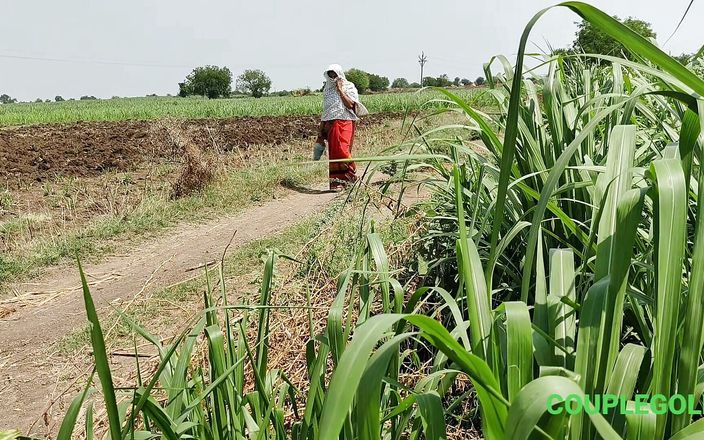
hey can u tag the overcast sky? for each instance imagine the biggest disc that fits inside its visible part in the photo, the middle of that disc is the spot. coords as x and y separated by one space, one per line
136 47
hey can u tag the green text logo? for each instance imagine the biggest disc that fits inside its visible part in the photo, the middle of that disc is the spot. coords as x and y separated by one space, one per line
608 403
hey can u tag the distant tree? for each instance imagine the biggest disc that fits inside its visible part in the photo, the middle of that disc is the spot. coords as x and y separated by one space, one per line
684 58
562 51
479 81
465 82
591 39
359 78
399 83
59 98
441 81
254 82
378 83
211 81
302 92
429 81
87 98
47 100
456 81
414 85
7 99
39 100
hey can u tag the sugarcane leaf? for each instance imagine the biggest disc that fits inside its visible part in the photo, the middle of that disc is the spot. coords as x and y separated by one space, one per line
670 233
102 364
519 347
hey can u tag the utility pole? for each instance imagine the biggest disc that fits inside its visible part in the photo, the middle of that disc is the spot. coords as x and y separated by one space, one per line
422 59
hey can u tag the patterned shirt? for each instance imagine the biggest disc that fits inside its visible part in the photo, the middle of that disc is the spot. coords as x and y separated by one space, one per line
333 106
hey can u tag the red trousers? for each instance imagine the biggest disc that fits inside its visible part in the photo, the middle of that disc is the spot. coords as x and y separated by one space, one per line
340 139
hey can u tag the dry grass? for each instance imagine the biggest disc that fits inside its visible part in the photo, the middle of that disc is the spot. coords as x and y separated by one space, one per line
198 171
302 295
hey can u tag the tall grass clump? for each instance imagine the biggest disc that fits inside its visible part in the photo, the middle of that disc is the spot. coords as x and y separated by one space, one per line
572 234
565 254
234 394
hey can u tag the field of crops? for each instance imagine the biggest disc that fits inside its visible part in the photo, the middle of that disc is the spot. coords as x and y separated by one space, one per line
120 109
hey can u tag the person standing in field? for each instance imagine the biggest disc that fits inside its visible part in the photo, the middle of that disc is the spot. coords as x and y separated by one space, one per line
341 111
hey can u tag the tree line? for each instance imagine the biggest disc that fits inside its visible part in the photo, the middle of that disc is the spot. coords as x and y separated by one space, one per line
365 81
216 82
7 99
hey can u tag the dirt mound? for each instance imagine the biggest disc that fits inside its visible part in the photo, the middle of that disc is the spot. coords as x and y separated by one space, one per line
39 152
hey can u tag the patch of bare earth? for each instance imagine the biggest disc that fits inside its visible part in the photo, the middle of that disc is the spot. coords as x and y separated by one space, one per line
84 149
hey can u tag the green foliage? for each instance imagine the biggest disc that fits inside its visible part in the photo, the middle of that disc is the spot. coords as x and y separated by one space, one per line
465 82
588 263
254 82
359 78
7 201
9 435
400 83
589 210
6 99
378 83
441 81
684 58
210 81
591 39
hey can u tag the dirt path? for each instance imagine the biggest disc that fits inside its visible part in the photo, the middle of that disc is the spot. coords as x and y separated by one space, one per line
27 335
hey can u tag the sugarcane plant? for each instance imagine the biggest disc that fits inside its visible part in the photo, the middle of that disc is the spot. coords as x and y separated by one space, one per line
606 296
